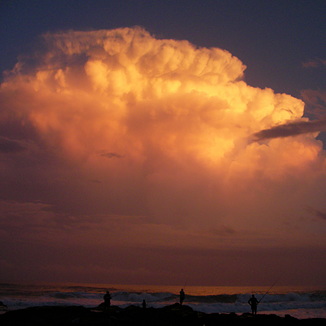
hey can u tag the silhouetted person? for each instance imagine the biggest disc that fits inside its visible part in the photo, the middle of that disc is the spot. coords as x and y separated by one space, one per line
107 300
144 304
182 296
253 303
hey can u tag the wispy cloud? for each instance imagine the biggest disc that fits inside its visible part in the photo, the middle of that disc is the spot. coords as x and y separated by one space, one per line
314 63
315 102
318 213
111 155
10 145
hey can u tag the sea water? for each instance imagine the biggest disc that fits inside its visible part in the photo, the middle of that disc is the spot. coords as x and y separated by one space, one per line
299 302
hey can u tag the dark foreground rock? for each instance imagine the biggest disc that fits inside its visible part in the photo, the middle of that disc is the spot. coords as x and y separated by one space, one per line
173 315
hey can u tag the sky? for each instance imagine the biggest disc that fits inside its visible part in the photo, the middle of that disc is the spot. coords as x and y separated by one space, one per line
163 142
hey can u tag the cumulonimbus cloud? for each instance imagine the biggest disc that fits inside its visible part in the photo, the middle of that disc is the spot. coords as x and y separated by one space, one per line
123 91
162 126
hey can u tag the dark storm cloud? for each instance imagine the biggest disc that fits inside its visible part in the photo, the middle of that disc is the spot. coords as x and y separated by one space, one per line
291 129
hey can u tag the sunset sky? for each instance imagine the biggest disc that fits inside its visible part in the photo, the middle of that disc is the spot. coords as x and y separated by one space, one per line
163 142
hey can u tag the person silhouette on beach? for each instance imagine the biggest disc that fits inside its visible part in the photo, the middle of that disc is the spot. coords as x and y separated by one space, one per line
107 300
253 303
182 296
144 304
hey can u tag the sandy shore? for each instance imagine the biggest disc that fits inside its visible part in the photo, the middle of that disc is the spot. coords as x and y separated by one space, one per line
173 315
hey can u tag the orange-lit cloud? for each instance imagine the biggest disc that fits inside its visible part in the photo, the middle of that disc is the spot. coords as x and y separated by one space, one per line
117 138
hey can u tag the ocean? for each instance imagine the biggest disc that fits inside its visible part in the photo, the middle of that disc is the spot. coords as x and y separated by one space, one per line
299 302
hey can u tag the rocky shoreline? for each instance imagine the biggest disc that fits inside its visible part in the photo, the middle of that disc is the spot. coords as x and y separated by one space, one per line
172 315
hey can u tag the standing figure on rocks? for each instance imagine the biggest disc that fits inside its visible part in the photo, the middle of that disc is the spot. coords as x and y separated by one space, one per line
107 300
182 296
253 303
